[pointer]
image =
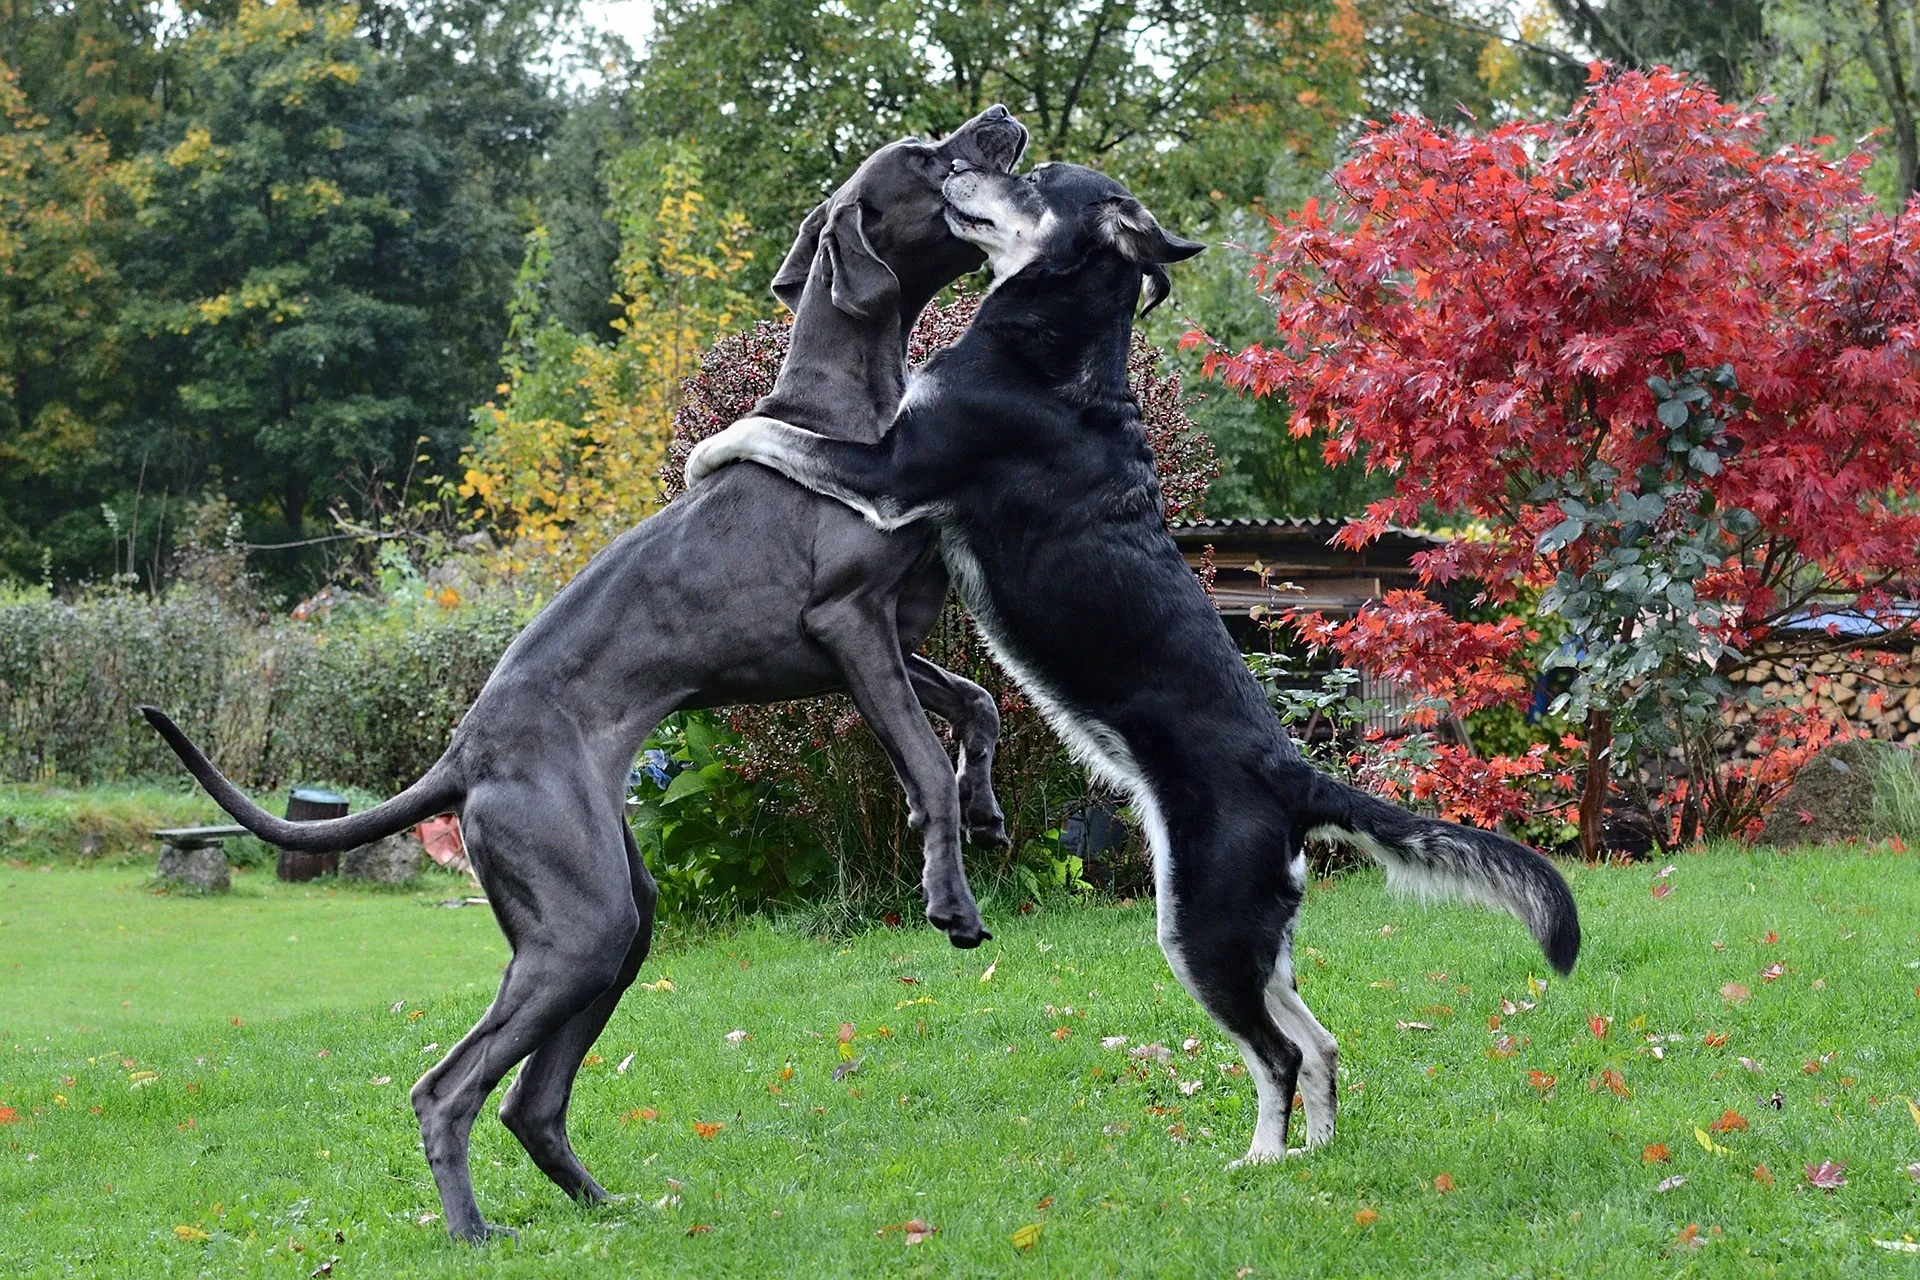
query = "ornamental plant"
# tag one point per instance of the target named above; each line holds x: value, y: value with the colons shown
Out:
x: 825, y: 766
x: 1668, y: 378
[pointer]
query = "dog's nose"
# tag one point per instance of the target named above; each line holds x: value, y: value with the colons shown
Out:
x: 963, y: 166
x: 997, y: 111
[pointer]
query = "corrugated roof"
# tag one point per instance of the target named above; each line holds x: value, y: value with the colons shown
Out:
x: 1285, y: 524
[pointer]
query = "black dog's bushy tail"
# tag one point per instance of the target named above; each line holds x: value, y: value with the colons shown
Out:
x: 433, y: 793
x: 1435, y: 859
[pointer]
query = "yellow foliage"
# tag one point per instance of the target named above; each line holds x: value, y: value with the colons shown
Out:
x: 562, y: 470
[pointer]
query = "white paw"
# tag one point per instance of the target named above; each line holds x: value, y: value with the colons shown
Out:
x: 707, y: 457
x: 1255, y: 1158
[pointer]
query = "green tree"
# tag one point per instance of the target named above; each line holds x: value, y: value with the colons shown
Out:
x: 1181, y: 99
x: 63, y: 215
x: 310, y: 300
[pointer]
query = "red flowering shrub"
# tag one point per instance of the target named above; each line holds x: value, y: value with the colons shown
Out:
x: 1673, y: 378
x: 827, y: 767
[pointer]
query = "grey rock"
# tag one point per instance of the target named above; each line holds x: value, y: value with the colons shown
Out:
x: 202, y: 868
x: 394, y: 860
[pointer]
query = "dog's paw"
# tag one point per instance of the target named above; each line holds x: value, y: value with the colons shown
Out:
x: 1253, y: 1159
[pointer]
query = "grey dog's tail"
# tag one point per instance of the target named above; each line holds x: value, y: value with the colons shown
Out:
x: 1435, y: 859
x: 435, y: 792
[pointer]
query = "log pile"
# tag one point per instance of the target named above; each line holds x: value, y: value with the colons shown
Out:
x: 1842, y: 687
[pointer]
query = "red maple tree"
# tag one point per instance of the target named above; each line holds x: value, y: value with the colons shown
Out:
x: 1480, y: 316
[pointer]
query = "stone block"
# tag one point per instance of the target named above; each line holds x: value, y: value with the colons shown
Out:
x: 394, y: 860
x: 203, y: 868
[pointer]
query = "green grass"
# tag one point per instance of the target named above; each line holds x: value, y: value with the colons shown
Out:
x: 966, y: 1111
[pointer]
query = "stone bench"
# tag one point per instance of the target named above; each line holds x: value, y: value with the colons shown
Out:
x: 197, y: 856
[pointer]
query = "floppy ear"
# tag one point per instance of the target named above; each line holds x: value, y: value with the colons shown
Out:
x: 863, y: 286
x: 790, y: 281
x: 1141, y: 239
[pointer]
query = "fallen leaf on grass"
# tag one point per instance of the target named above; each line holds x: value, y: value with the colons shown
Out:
x: 1689, y: 1237
x: 1714, y: 1039
x: 1157, y: 1052
x: 1770, y: 938
x: 1189, y: 1087
x: 1442, y: 1183
x: 9, y: 1116
x: 380, y: 1080
x: 1670, y: 1184
x: 1024, y: 1238
x: 988, y: 975
x: 1655, y: 1153
x: 1612, y: 1080
x: 1413, y: 1026
x: 1598, y: 1024
x: 1366, y: 1217
x: 1045, y: 1203
x: 1542, y: 1081
x: 1061, y: 1033
x: 914, y: 1229
x: 624, y: 1064
x: 1898, y: 1246
x: 1913, y: 1109
x: 662, y: 987
x: 1772, y: 972
x: 1730, y: 1121
x: 1749, y: 1064
x: 849, y: 1068
x: 189, y: 1235
x: 1662, y: 888
x: 639, y: 1113
x: 1827, y: 1175
x: 1763, y: 1175
x: 1735, y: 993
x: 1708, y: 1144
x: 705, y: 1130
x: 698, y: 1229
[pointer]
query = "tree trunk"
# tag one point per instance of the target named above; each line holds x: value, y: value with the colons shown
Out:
x: 1593, y: 798
x: 1889, y: 72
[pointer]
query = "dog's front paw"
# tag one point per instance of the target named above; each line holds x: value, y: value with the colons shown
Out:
x: 707, y: 457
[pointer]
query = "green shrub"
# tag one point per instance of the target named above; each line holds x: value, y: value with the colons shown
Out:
x: 364, y: 697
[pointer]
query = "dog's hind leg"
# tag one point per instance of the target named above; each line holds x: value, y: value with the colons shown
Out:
x: 550, y: 859
x: 1237, y: 962
x: 535, y: 1108
x: 976, y: 726
x: 865, y: 645
x: 1319, y: 1052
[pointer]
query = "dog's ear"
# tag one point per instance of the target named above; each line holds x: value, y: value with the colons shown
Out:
x: 790, y: 281
x: 863, y: 286
x: 1140, y: 238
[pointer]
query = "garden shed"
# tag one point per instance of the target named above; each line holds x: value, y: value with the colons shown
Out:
x: 1263, y: 566
x: 1300, y: 551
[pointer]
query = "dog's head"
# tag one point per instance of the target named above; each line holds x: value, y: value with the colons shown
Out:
x: 885, y: 231
x: 1057, y: 219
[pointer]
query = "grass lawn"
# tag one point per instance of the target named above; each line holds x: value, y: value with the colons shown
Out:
x: 151, y: 1135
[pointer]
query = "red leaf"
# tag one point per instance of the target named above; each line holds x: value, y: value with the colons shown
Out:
x: 706, y: 1130
x: 1730, y: 1121
x: 1662, y: 888
x: 1655, y: 1153
x: 1598, y: 1025
x: 1443, y: 1182
x: 1827, y: 1175
x: 1542, y: 1081
x: 1714, y: 1039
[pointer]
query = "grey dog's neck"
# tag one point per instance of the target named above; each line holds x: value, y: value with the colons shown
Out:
x: 843, y: 377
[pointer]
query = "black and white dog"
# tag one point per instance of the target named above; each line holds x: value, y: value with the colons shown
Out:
x: 1024, y: 446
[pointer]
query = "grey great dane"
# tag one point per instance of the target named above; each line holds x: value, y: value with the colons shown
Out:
x: 750, y: 590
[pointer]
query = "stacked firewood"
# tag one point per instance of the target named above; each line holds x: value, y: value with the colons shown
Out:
x: 1843, y: 687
